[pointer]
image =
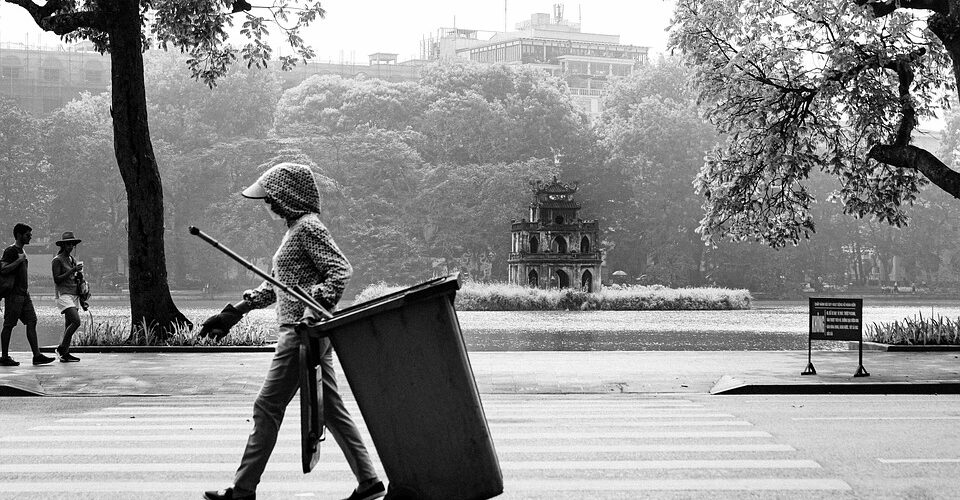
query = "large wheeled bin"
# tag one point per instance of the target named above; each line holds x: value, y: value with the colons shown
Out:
x: 404, y: 357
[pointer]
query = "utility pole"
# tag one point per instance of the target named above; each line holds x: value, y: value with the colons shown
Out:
x: 504, y: 16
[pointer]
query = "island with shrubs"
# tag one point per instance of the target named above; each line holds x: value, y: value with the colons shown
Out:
x: 476, y: 296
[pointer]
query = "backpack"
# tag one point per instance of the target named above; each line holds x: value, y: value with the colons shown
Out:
x: 6, y: 284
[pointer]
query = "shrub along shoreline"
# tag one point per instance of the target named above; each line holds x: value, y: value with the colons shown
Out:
x: 506, y: 297
x: 471, y: 297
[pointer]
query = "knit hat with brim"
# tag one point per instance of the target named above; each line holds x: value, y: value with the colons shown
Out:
x: 255, y: 191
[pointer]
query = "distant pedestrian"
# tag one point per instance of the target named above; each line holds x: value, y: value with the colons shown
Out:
x: 65, y: 270
x: 309, y: 258
x: 17, y: 304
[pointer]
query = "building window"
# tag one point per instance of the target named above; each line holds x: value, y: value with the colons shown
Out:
x: 559, y: 244
x: 584, y: 245
x: 563, y: 279
x: 552, y: 53
x: 534, y: 244
x: 578, y: 68
x: 577, y: 82
x: 586, y: 282
x: 621, y: 70
x: 51, y: 74
x: 533, y: 279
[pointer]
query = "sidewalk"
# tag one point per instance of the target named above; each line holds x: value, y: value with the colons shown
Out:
x: 528, y: 372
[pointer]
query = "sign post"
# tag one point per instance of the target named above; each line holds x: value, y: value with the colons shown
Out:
x: 835, y: 319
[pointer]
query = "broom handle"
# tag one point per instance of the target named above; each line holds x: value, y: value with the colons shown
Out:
x: 295, y: 292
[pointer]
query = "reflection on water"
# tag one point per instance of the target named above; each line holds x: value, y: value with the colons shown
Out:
x: 768, y: 326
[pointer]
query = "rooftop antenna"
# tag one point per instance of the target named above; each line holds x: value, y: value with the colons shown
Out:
x: 504, y: 16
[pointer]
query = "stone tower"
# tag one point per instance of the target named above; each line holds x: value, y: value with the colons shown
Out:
x: 555, y: 248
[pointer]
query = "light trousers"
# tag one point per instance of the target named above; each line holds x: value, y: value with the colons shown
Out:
x: 279, y: 388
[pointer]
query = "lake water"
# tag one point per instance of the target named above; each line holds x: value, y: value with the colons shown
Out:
x: 767, y: 326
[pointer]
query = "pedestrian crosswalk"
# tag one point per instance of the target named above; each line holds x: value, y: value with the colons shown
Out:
x: 549, y: 446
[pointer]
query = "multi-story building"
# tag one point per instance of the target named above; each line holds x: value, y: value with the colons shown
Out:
x: 586, y: 61
x: 382, y: 65
x: 42, y: 79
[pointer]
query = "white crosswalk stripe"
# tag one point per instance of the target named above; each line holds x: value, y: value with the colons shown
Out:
x: 590, y: 446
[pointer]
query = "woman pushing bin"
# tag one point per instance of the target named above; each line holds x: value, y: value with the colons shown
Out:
x: 309, y: 259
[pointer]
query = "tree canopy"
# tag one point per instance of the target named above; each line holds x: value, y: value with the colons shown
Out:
x: 125, y: 29
x: 795, y: 87
x: 651, y: 143
x: 401, y: 218
x: 24, y: 168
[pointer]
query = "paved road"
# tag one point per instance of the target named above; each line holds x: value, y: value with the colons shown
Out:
x: 557, y: 446
x: 566, y: 446
x: 883, y: 446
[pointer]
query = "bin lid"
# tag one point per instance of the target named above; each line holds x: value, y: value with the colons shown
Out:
x: 417, y: 293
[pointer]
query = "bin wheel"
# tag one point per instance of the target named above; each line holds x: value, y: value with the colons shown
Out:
x: 401, y: 493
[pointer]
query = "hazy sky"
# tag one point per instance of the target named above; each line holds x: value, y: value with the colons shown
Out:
x: 356, y: 28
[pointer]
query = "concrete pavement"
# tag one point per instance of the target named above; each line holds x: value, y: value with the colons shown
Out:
x: 528, y: 372
x: 567, y: 425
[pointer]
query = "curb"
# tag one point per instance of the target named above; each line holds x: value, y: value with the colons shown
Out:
x: 132, y: 349
x: 732, y: 386
x: 21, y: 387
x: 877, y: 346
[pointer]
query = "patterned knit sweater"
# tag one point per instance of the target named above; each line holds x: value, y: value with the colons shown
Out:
x: 308, y: 256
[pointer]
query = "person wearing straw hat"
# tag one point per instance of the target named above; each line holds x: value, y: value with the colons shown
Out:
x: 65, y: 270
x: 308, y: 258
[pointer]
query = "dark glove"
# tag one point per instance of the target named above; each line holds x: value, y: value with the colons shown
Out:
x: 310, y: 320
x: 218, y: 326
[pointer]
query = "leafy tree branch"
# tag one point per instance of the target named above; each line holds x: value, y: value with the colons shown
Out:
x: 794, y: 86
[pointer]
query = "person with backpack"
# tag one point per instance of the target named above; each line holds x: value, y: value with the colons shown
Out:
x: 65, y: 278
x: 17, y: 305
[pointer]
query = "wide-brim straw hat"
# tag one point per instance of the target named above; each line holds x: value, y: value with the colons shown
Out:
x: 68, y: 238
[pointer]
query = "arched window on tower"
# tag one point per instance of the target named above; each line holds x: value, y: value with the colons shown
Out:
x: 533, y: 279
x: 563, y: 279
x: 586, y: 281
x: 559, y: 244
x: 584, y: 245
x: 534, y: 244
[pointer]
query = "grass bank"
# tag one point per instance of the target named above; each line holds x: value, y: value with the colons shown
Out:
x: 506, y: 297
x: 916, y: 331
x: 115, y: 332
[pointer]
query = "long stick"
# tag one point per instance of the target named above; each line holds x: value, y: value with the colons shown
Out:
x: 295, y: 292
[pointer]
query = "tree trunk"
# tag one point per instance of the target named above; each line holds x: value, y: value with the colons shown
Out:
x: 150, y: 300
